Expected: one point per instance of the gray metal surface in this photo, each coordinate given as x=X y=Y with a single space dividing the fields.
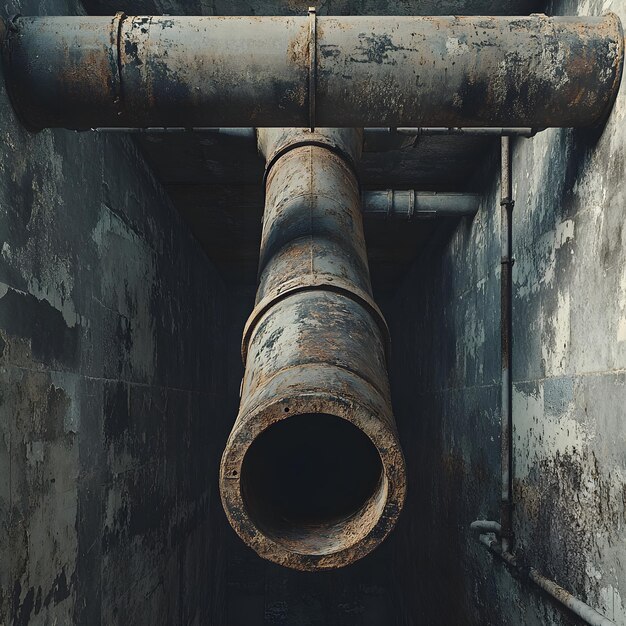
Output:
x=314 y=349
x=407 y=204
x=369 y=71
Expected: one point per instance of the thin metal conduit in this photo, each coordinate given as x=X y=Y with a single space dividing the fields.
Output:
x=506 y=292
x=441 y=130
x=250 y=133
x=588 y=614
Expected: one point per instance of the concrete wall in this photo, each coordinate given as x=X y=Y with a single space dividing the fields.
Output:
x=569 y=371
x=112 y=382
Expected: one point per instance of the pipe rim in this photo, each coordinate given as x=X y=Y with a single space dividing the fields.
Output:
x=392 y=490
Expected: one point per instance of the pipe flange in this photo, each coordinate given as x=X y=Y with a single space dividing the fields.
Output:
x=323 y=282
x=310 y=547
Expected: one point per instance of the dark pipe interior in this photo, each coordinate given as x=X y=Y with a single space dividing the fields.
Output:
x=308 y=472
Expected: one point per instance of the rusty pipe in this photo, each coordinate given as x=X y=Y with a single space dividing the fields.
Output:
x=536 y=71
x=312 y=476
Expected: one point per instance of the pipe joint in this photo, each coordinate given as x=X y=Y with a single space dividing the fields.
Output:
x=276 y=143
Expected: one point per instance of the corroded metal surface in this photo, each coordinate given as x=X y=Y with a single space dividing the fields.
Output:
x=315 y=352
x=81 y=72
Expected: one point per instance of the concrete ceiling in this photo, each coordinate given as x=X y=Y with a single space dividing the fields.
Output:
x=324 y=7
x=216 y=181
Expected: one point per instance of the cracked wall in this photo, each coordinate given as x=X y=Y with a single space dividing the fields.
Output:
x=111 y=360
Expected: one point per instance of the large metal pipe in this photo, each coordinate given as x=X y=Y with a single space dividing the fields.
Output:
x=536 y=71
x=313 y=476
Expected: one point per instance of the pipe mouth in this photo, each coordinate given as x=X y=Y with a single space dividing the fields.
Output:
x=313 y=483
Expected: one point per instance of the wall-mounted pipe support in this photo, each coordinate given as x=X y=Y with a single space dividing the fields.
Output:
x=535 y=71
x=313 y=476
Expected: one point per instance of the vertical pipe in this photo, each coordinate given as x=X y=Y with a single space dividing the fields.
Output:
x=312 y=476
x=506 y=442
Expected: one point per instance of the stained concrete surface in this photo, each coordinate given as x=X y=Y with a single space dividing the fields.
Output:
x=112 y=382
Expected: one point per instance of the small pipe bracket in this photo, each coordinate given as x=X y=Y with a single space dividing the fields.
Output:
x=312 y=65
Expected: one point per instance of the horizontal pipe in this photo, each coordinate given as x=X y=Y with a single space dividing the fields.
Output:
x=442 y=130
x=236 y=133
x=486 y=132
x=535 y=71
x=408 y=204
x=588 y=614
x=584 y=611
x=249 y=133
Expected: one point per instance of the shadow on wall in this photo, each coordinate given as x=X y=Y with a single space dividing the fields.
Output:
x=447 y=472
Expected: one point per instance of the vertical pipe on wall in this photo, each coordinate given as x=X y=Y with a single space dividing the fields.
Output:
x=506 y=425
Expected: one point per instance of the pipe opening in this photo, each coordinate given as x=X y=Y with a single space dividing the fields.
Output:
x=313 y=483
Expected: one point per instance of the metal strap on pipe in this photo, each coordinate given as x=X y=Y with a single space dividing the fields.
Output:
x=312 y=65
